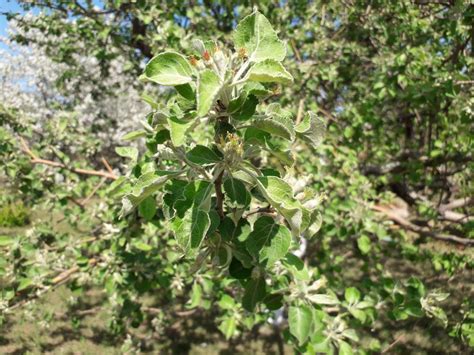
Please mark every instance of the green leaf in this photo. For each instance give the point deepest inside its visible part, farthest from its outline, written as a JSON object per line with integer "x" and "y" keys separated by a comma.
{"x": 276, "y": 122}
{"x": 269, "y": 71}
{"x": 196, "y": 296}
{"x": 202, "y": 155}
{"x": 268, "y": 240}
{"x": 134, "y": 135}
{"x": 142, "y": 246}
{"x": 215, "y": 221}
{"x": 226, "y": 302}
{"x": 256, "y": 35}
{"x": 6, "y": 240}
{"x": 236, "y": 192}
{"x": 24, "y": 283}
{"x": 324, "y": 299}
{"x": 146, "y": 185}
{"x": 209, "y": 86}
{"x": 257, "y": 89}
{"x": 147, "y": 208}
{"x": 178, "y": 129}
{"x": 236, "y": 104}
{"x": 255, "y": 291}
{"x": 300, "y": 319}
{"x": 127, "y": 152}
{"x": 280, "y": 195}
{"x": 364, "y": 244}
{"x": 191, "y": 229}
{"x": 149, "y": 100}
{"x": 345, "y": 348}
{"x": 228, "y": 327}
{"x": 276, "y": 125}
{"x": 186, "y": 91}
{"x": 169, "y": 68}
{"x": 243, "y": 108}
{"x": 274, "y": 301}
{"x": 352, "y": 295}
{"x": 238, "y": 271}
{"x": 192, "y": 221}
{"x": 311, "y": 129}
{"x": 296, "y": 267}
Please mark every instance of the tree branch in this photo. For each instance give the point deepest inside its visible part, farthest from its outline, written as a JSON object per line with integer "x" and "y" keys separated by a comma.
{"x": 36, "y": 160}
{"x": 406, "y": 224}
{"x": 219, "y": 195}
{"x": 59, "y": 280}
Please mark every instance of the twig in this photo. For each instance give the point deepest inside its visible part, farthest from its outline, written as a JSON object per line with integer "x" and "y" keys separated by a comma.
{"x": 400, "y": 338}
{"x": 421, "y": 230}
{"x": 299, "y": 115}
{"x": 328, "y": 115}
{"x": 98, "y": 186}
{"x": 36, "y": 160}
{"x": 460, "y": 202}
{"x": 59, "y": 280}
{"x": 107, "y": 165}
{"x": 268, "y": 210}
{"x": 76, "y": 202}
{"x": 295, "y": 50}
{"x": 219, "y": 195}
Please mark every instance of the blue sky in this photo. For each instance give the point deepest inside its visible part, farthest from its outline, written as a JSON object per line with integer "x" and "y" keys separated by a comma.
{"x": 12, "y": 6}
{"x": 7, "y": 6}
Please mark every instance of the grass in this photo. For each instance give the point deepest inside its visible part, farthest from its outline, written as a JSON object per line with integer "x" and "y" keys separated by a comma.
{"x": 14, "y": 214}
{"x": 82, "y": 327}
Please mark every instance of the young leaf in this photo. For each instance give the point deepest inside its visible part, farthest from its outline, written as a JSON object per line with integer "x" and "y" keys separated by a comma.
{"x": 134, "y": 135}
{"x": 277, "y": 125}
{"x": 312, "y": 129}
{"x": 178, "y": 129}
{"x": 127, "y": 152}
{"x": 255, "y": 291}
{"x": 202, "y": 155}
{"x": 345, "y": 348}
{"x": 196, "y": 296}
{"x": 169, "y": 68}
{"x": 186, "y": 91}
{"x": 256, "y": 35}
{"x": 300, "y": 319}
{"x": 364, "y": 244}
{"x": 269, "y": 71}
{"x": 296, "y": 267}
{"x": 228, "y": 327}
{"x": 142, "y": 246}
{"x": 323, "y": 299}
{"x": 146, "y": 185}
{"x": 268, "y": 240}
{"x": 280, "y": 195}
{"x": 209, "y": 86}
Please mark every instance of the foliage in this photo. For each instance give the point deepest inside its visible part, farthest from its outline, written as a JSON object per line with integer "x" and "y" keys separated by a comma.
{"x": 229, "y": 180}
{"x": 13, "y": 214}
